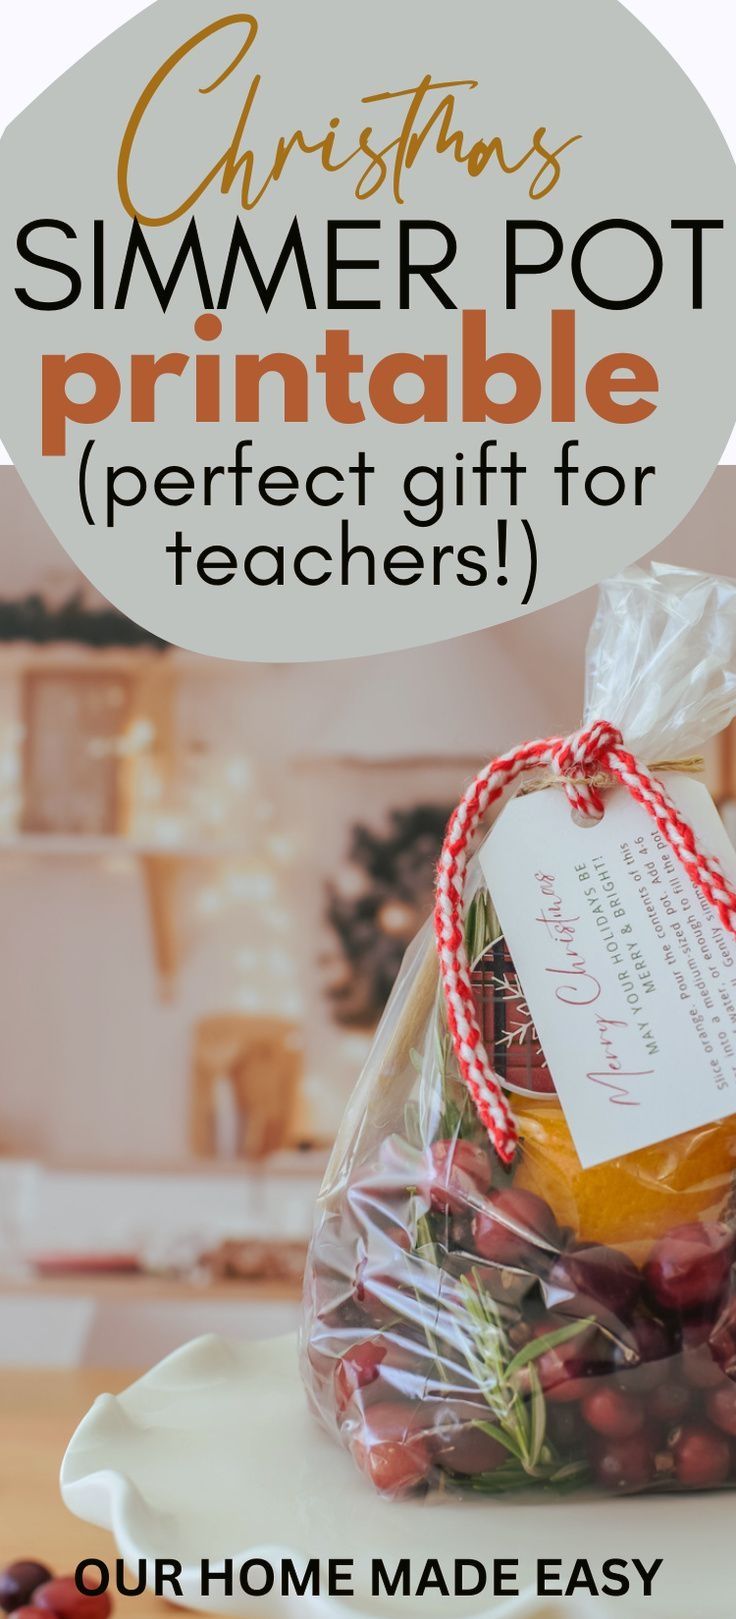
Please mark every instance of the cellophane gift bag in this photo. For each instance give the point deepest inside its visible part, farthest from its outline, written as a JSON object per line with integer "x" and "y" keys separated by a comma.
{"x": 487, "y": 1321}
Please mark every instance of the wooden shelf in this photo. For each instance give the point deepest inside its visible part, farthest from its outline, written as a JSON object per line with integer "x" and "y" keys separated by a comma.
{"x": 289, "y": 1163}
{"x": 150, "y": 1289}
{"x": 80, "y": 847}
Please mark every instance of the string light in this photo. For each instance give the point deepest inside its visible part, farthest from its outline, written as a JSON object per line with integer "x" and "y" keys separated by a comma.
{"x": 350, "y": 882}
{"x": 209, "y": 901}
{"x": 239, "y": 774}
{"x": 169, "y": 831}
{"x": 199, "y": 802}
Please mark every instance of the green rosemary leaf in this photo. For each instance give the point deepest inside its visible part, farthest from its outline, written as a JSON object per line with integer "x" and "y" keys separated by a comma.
{"x": 569, "y": 1480}
{"x": 571, "y": 1470}
{"x": 471, "y": 928}
{"x": 416, "y": 1059}
{"x": 539, "y": 1346}
{"x": 537, "y": 1417}
{"x": 518, "y": 1421}
{"x": 502, "y": 1482}
{"x": 482, "y": 927}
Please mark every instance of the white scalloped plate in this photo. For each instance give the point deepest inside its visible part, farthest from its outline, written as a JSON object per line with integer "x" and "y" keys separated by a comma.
{"x": 214, "y": 1454}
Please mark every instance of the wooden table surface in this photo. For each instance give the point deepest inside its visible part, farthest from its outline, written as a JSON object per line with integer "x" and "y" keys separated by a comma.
{"x": 39, "y": 1411}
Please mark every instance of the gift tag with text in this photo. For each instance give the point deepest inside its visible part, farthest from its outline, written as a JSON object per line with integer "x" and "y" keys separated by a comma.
{"x": 628, "y": 975}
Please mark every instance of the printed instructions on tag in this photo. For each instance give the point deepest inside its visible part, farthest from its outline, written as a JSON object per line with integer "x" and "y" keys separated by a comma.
{"x": 629, "y": 977}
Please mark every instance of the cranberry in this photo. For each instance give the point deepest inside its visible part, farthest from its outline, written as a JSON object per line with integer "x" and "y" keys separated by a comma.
{"x": 613, "y": 1414}
{"x": 62, "y": 1599}
{"x": 626, "y": 1464}
{"x": 459, "y": 1174}
{"x": 656, "y": 1339}
{"x": 702, "y": 1458}
{"x": 513, "y": 1228}
{"x": 688, "y": 1268}
{"x": 18, "y": 1583}
{"x": 357, "y": 1369}
{"x": 395, "y": 1459}
{"x": 669, "y": 1403}
{"x": 458, "y": 1445}
{"x": 28, "y": 1612}
{"x": 602, "y": 1274}
{"x": 565, "y": 1371}
{"x": 723, "y": 1340}
{"x": 721, "y": 1408}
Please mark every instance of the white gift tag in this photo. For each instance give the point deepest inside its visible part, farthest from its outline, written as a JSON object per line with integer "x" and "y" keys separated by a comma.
{"x": 627, "y": 972}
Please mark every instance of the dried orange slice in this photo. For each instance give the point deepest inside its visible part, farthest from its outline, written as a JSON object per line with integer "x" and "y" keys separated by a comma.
{"x": 630, "y": 1201}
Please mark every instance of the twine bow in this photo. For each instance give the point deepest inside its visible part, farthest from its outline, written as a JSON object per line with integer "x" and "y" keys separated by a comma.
{"x": 579, "y": 763}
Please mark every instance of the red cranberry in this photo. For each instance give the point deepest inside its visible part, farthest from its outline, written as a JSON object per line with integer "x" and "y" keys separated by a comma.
{"x": 613, "y": 1414}
{"x": 565, "y": 1370}
{"x": 358, "y": 1367}
{"x": 458, "y": 1445}
{"x": 721, "y": 1408}
{"x": 603, "y": 1274}
{"x": 655, "y": 1339}
{"x": 28, "y": 1612}
{"x": 688, "y": 1268}
{"x": 395, "y": 1459}
{"x": 514, "y": 1228}
{"x": 18, "y": 1583}
{"x": 460, "y": 1174}
{"x": 62, "y": 1599}
{"x": 626, "y": 1464}
{"x": 702, "y": 1458}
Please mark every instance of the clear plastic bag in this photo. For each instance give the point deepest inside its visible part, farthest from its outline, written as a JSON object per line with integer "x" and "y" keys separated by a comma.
{"x": 486, "y": 1329}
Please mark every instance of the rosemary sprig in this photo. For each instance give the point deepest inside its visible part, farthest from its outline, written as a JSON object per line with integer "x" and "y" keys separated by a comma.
{"x": 508, "y": 1478}
{"x": 507, "y": 1379}
{"x": 519, "y": 1416}
{"x": 425, "y": 1246}
{"x": 482, "y": 927}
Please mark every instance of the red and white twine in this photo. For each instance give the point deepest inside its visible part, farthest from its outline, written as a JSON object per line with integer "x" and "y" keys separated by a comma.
{"x": 577, "y": 761}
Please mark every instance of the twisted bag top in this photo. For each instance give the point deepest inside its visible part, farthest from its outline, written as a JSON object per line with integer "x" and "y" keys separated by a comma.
{"x": 578, "y": 762}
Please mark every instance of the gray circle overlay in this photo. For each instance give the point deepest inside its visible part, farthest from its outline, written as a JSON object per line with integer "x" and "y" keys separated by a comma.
{"x": 650, "y": 152}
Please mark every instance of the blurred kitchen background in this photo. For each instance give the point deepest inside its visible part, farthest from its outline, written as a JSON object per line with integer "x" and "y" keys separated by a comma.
{"x": 208, "y": 875}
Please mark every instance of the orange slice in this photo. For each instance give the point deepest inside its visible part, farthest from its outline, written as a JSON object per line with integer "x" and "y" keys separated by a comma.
{"x": 630, "y": 1201}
